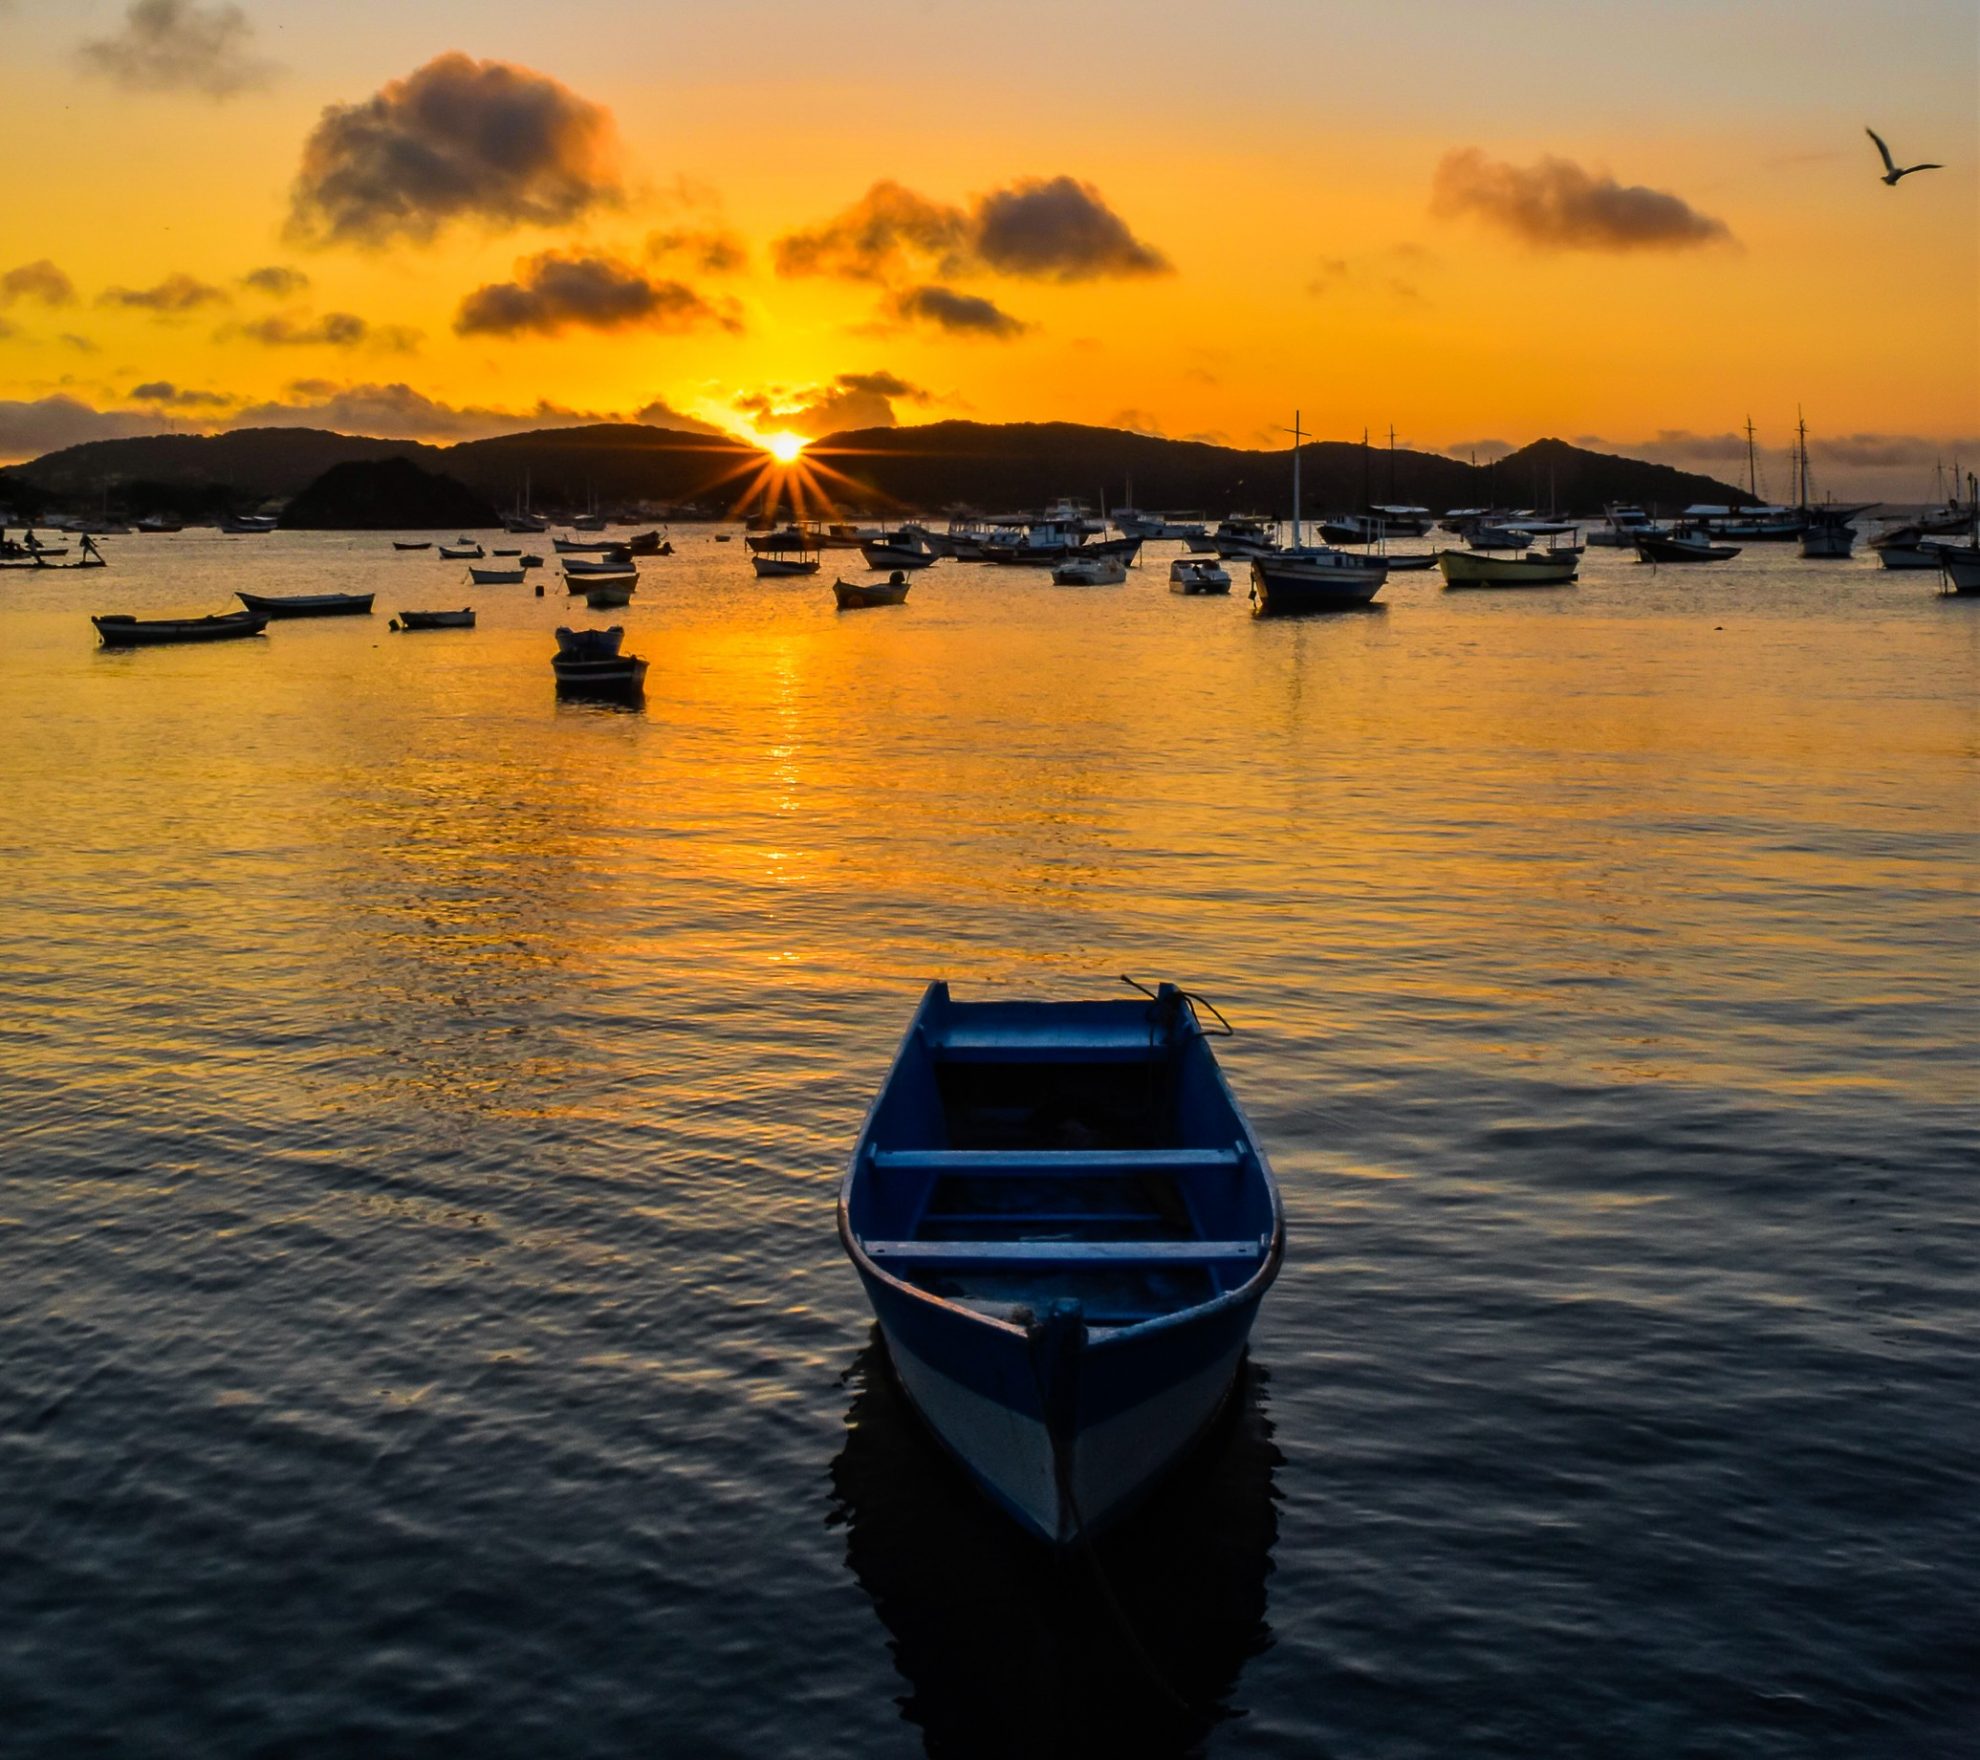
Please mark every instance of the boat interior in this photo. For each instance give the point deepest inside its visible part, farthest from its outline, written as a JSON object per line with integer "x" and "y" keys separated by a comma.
{"x": 1026, "y": 1152}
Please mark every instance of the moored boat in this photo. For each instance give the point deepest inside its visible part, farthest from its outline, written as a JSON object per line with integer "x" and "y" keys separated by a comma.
{"x": 1682, "y": 547}
{"x": 609, "y": 595}
{"x": 1959, "y": 566}
{"x": 777, "y": 564}
{"x": 614, "y": 562}
{"x": 1186, "y": 576}
{"x": 462, "y": 552}
{"x": 901, "y": 549}
{"x": 413, "y": 544}
{"x": 120, "y": 631}
{"x": 1065, "y": 1225}
{"x": 309, "y": 604}
{"x": 496, "y": 577}
{"x": 1471, "y": 568}
{"x": 588, "y": 663}
{"x": 1303, "y": 577}
{"x": 461, "y": 619}
{"x": 1090, "y": 571}
{"x": 851, "y": 596}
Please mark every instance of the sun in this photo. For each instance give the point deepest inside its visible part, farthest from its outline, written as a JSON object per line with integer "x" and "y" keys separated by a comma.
{"x": 785, "y": 447}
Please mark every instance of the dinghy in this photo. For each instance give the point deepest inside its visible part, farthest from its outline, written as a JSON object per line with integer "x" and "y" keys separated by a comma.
{"x": 422, "y": 544}
{"x": 496, "y": 577}
{"x": 309, "y": 604}
{"x": 1187, "y": 576}
{"x": 462, "y": 619}
{"x": 588, "y": 664}
{"x": 1065, "y": 1225}
{"x": 120, "y": 631}
{"x": 461, "y": 552}
{"x": 851, "y": 596}
{"x": 1682, "y": 547}
{"x": 609, "y": 595}
{"x": 1472, "y": 568}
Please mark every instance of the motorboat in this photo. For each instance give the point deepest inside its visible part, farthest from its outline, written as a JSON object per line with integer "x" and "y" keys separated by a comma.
{"x": 120, "y": 631}
{"x": 1959, "y": 566}
{"x": 1829, "y": 535}
{"x": 496, "y": 577}
{"x": 1682, "y": 546}
{"x": 1243, "y": 536}
{"x": 1196, "y": 576}
{"x": 1907, "y": 546}
{"x": 852, "y": 597}
{"x": 1090, "y": 571}
{"x": 1623, "y": 523}
{"x": 905, "y": 548}
{"x": 1489, "y": 537}
{"x": 409, "y": 620}
{"x": 309, "y": 604}
{"x": 588, "y": 663}
{"x": 1064, "y": 1224}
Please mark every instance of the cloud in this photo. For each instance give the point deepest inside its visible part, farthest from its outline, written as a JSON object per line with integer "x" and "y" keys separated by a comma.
{"x": 961, "y": 314}
{"x": 852, "y": 400}
{"x": 1060, "y": 229}
{"x": 1485, "y": 451}
{"x": 659, "y": 413}
{"x": 179, "y": 46}
{"x": 1057, "y": 229}
{"x": 556, "y": 290}
{"x": 277, "y": 281}
{"x": 163, "y": 391}
{"x": 397, "y": 412}
{"x": 48, "y": 424}
{"x": 1557, "y": 205}
{"x": 712, "y": 250}
{"x": 331, "y": 330}
{"x": 39, "y": 280}
{"x": 458, "y": 139}
{"x": 1374, "y": 273}
{"x": 1137, "y": 421}
{"x": 173, "y": 297}
{"x": 81, "y": 344}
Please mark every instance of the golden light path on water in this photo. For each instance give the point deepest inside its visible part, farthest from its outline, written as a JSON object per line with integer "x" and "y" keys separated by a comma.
{"x": 424, "y": 1103}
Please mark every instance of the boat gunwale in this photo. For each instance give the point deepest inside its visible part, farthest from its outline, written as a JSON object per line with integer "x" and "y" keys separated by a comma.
{"x": 1100, "y": 1338}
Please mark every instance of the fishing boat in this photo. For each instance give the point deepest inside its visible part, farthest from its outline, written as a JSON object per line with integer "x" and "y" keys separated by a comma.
{"x": 1064, "y": 1224}
{"x": 120, "y": 631}
{"x": 1959, "y": 566}
{"x": 413, "y": 544}
{"x": 900, "y": 549}
{"x": 609, "y": 595}
{"x": 1907, "y": 546}
{"x": 786, "y": 553}
{"x": 309, "y": 604}
{"x": 496, "y": 577}
{"x": 1828, "y": 535}
{"x": 1311, "y": 577}
{"x": 1681, "y": 546}
{"x": 1242, "y": 536}
{"x": 1624, "y": 523}
{"x": 1186, "y": 576}
{"x": 851, "y": 597}
{"x": 461, "y": 619}
{"x": 462, "y": 552}
{"x": 588, "y": 663}
{"x": 1470, "y": 568}
{"x": 1090, "y": 571}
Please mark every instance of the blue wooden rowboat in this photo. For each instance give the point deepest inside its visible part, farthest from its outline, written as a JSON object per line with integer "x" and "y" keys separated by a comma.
{"x": 1065, "y": 1226}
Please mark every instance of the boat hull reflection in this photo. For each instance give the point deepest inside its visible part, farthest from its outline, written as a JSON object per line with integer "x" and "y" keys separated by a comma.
{"x": 1010, "y": 1647}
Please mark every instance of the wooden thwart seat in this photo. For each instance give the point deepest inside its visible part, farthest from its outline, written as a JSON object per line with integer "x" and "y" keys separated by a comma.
{"x": 1031, "y": 1163}
{"x": 955, "y": 1254}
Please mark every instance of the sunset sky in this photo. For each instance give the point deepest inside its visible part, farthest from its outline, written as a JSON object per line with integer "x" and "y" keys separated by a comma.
{"x": 1625, "y": 224}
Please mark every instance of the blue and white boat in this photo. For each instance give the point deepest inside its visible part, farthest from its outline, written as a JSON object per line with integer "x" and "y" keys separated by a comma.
{"x": 1065, "y": 1226}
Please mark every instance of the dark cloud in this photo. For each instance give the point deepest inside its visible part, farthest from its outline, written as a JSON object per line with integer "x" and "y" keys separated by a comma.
{"x": 179, "y": 46}
{"x": 331, "y": 330}
{"x": 458, "y": 139}
{"x": 1060, "y": 229}
{"x": 661, "y": 414}
{"x": 1557, "y": 205}
{"x": 163, "y": 391}
{"x": 556, "y": 290}
{"x": 874, "y": 238}
{"x": 47, "y": 424}
{"x": 1485, "y": 451}
{"x": 1040, "y": 228}
{"x": 1137, "y": 421}
{"x": 961, "y": 314}
{"x": 173, "y": 297}
{"x": 397, "y": 412}
{"x": 277, "y": 281}
{"x": 39, "y": 280}
{"x": 852, "y": 400}
{"x": 712, "y": 250}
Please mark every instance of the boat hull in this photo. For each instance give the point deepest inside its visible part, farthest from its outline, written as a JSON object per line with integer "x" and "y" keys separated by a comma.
{"x": 1289, "y": 590}
{"x": 621, "y": 675}
{"x": 894, "y": 556}
{"x": 1142, "y": 1405}
{"x": 1683, "y": 550}
{"x": 310, "y": 604}
{"x": 777, "y": 568}
{"x": 852, "y": 597}
{"x": 1463, "y": 568}
{"x": 409, "y": 620}
{"x": 1961, "y": 569}
{"x": 131, "y": 632}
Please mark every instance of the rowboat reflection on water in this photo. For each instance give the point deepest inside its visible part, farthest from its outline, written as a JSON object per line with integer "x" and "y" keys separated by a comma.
{"x": 1065, "y": 1226}
{"x": 1138, "y": 1648}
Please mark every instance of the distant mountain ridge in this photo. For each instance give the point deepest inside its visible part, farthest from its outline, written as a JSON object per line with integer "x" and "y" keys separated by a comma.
{"x": 993, "y": 467}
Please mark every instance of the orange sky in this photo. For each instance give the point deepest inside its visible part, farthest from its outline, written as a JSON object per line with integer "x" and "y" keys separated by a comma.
{"x": 1672, "y": 219}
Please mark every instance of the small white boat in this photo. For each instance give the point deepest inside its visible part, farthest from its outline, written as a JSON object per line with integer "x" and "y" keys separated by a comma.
{"x": 1186, "y": 576}
{"x": 901, "y": 549}
{"x": 461, "y": 619}
{"x": 1090, "y": 571}
{"x": 496, "y": 577}
{"x": 1907, "y": 546}
{"x": 1959, "y": 566}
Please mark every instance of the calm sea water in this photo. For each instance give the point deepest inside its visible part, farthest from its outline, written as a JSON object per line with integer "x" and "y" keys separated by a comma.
{"x": 422, "y": 1327}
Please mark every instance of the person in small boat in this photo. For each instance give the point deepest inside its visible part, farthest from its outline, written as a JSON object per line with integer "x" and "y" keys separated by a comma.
{"x": 896, "y": 578}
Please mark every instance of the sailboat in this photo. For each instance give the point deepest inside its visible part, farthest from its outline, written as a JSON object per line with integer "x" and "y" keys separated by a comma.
{"x": 519, "y": 518}
{"x": 1302, "y": 578}
{"x": 1826, "y": 532}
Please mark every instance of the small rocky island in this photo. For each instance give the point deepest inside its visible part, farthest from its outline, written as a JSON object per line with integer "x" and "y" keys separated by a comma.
{"x": 386, "y": 495}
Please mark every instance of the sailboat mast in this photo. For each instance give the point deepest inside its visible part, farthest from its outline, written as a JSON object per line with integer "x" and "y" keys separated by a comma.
{"x": 1295, "y": 518}
{"x": 1752, "y": 464}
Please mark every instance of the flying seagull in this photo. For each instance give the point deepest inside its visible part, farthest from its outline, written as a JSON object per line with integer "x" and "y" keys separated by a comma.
{"x": 1892, "y": 170}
